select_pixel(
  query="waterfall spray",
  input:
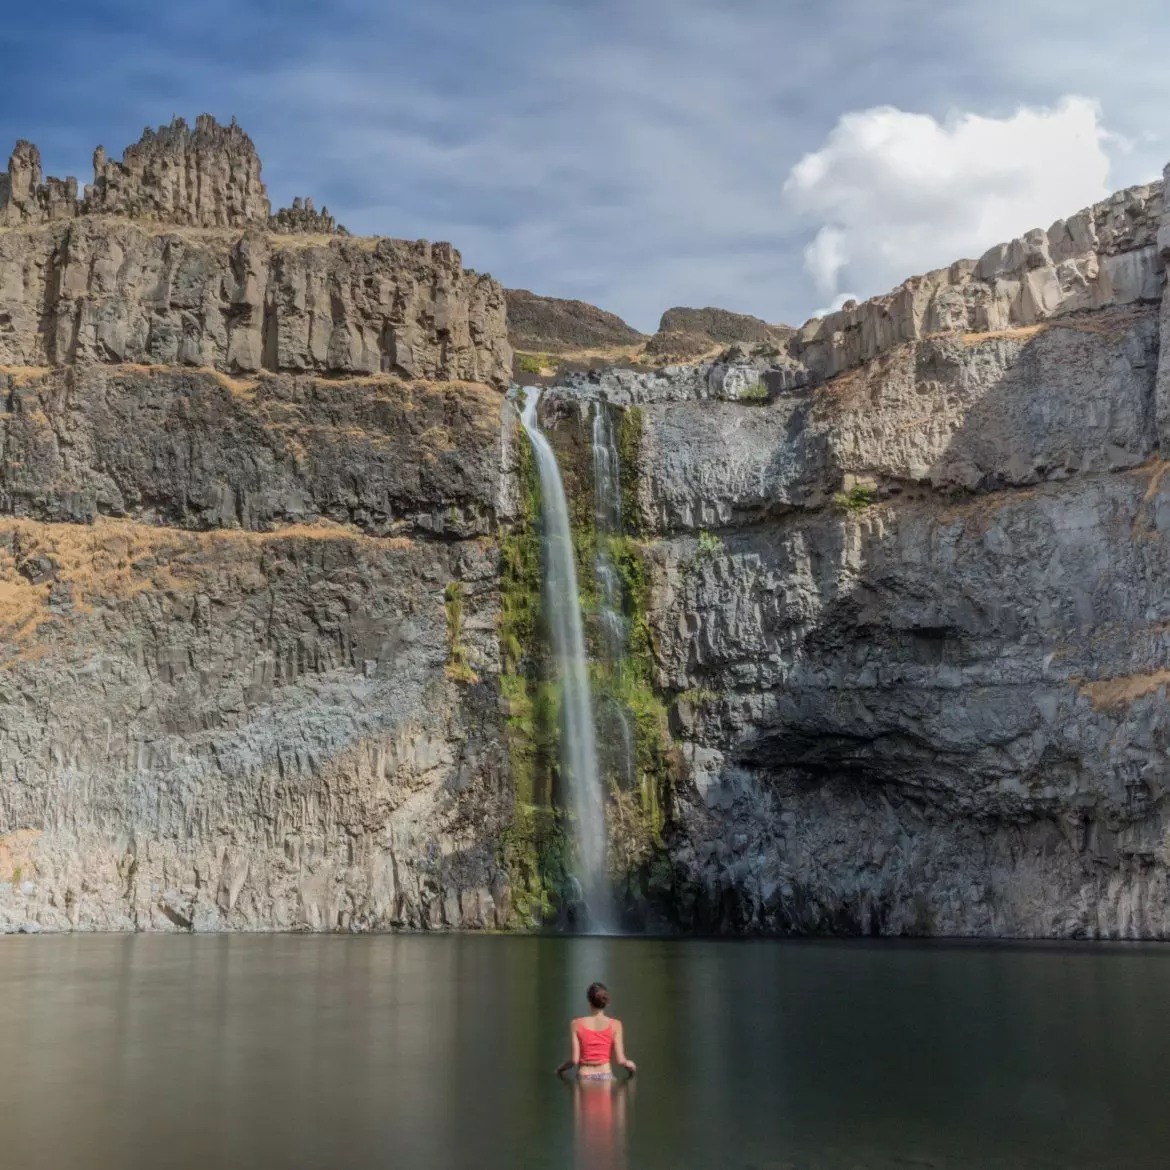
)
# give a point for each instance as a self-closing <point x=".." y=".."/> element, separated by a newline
<point x="566" y="632"/>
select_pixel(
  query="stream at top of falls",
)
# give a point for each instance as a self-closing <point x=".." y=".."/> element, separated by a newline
<point x="433" y="1052"/>
<point x="566" y="632"/>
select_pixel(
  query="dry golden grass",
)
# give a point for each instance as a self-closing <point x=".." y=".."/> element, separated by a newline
<point x="1112" y="324"/>
<point x="23" y="375"/>
<point x="116" y="560"/>
<point x="1155" y="469"/>
<point x="1114" y="692"/>
<point x="400" y="390"/>
<point x="1021" y="333"/>
<point x="216" y="235"/>
<point x="282" y="241"/>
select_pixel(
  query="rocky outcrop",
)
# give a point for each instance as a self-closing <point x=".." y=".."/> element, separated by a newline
<point x="549" y="325"/>
<point x="25" y="197"/>
<point x="1104" y="255"/>
<point x="302" y="218"/>
<point x="206" y="177"/>
<point x="79" y="286"/>
<point x="687" y="334"/>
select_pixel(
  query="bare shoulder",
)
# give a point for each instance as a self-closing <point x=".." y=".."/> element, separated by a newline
<point x="617" y="1024"/>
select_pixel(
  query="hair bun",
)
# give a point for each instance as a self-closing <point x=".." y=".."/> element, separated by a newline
<point x="598" y="995"/>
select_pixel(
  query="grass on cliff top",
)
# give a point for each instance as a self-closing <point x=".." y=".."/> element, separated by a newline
<point x="542" y="365"/>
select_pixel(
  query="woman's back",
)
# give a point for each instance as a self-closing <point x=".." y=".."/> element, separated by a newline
<point x="596" y="1038"/>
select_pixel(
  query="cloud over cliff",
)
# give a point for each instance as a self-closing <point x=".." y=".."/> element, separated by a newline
<point x="896" y="193"/>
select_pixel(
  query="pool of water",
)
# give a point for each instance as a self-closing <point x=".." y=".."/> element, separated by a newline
<point x="437" y="1051"/>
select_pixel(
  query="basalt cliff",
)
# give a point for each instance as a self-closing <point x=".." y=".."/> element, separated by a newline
<point x="891" y="647"/>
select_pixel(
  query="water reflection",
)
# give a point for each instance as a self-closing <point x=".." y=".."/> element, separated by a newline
<point x="314" y="1053"/>
<point x="599" y="1123"/>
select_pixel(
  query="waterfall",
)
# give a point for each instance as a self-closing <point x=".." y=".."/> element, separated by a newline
<point x="607" y="514"/>
<point x="566" y="631"/>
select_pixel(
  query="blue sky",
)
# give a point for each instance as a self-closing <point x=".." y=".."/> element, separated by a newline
<point x="636" y="154"/>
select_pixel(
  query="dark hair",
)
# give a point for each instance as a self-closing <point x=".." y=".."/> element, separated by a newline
<point x="598" y="996"/>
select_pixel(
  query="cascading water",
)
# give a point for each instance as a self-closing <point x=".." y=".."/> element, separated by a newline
<point x="607" y="497"/>
<point x="607" y="511"/>
<point x="566" y="632"/>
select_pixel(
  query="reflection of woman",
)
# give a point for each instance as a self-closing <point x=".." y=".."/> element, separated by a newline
<point x="595" y="1039"/>
<point x="599" y="1122"/>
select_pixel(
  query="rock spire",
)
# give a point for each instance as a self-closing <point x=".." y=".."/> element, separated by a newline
<point x="207" y="176"/>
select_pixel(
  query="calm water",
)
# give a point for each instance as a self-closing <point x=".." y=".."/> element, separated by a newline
<point x="415" y="1052"/>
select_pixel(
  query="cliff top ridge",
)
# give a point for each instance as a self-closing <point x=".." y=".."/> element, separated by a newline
<point x="207" y="176"/>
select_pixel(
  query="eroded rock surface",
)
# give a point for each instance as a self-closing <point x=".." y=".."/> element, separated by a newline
<point x="251" y="473"/>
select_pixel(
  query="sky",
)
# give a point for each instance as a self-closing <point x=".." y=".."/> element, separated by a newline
<point x="766" y="156"/>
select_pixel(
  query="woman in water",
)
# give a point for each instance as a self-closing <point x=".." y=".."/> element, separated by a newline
<point x="595" y="1039"/>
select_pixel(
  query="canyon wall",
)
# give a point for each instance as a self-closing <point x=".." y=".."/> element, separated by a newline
<point x="909" y="603"/>
<point x="250" y="479"/>
<point x="894" y="647"/>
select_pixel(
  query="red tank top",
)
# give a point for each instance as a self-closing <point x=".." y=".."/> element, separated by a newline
<point x="596" y="1045"/>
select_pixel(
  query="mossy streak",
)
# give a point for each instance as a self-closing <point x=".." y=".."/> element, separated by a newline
<point x="458" y="664"/>
<point x="535" y="848"/>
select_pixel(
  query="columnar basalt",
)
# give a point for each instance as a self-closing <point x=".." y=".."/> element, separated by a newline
<point x="1104" y="255"/>
<point x="242" y="469"/>
<point x="206" y="177"/>
<point x="121" y="276"/>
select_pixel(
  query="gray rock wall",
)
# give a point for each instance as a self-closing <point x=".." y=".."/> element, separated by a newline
<point x="225" y="640"/>
<point x="909" y="603"/>
<point x="936" y="704"/>
<point x="96" y="290"/>
<point x="1104" y="255"/>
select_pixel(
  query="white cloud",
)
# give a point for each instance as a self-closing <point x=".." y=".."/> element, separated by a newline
<point x="898" y="193"/>
<point x="838" y="302"/>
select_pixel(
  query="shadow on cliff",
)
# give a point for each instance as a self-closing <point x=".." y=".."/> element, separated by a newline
<point x="909" y="734"/>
